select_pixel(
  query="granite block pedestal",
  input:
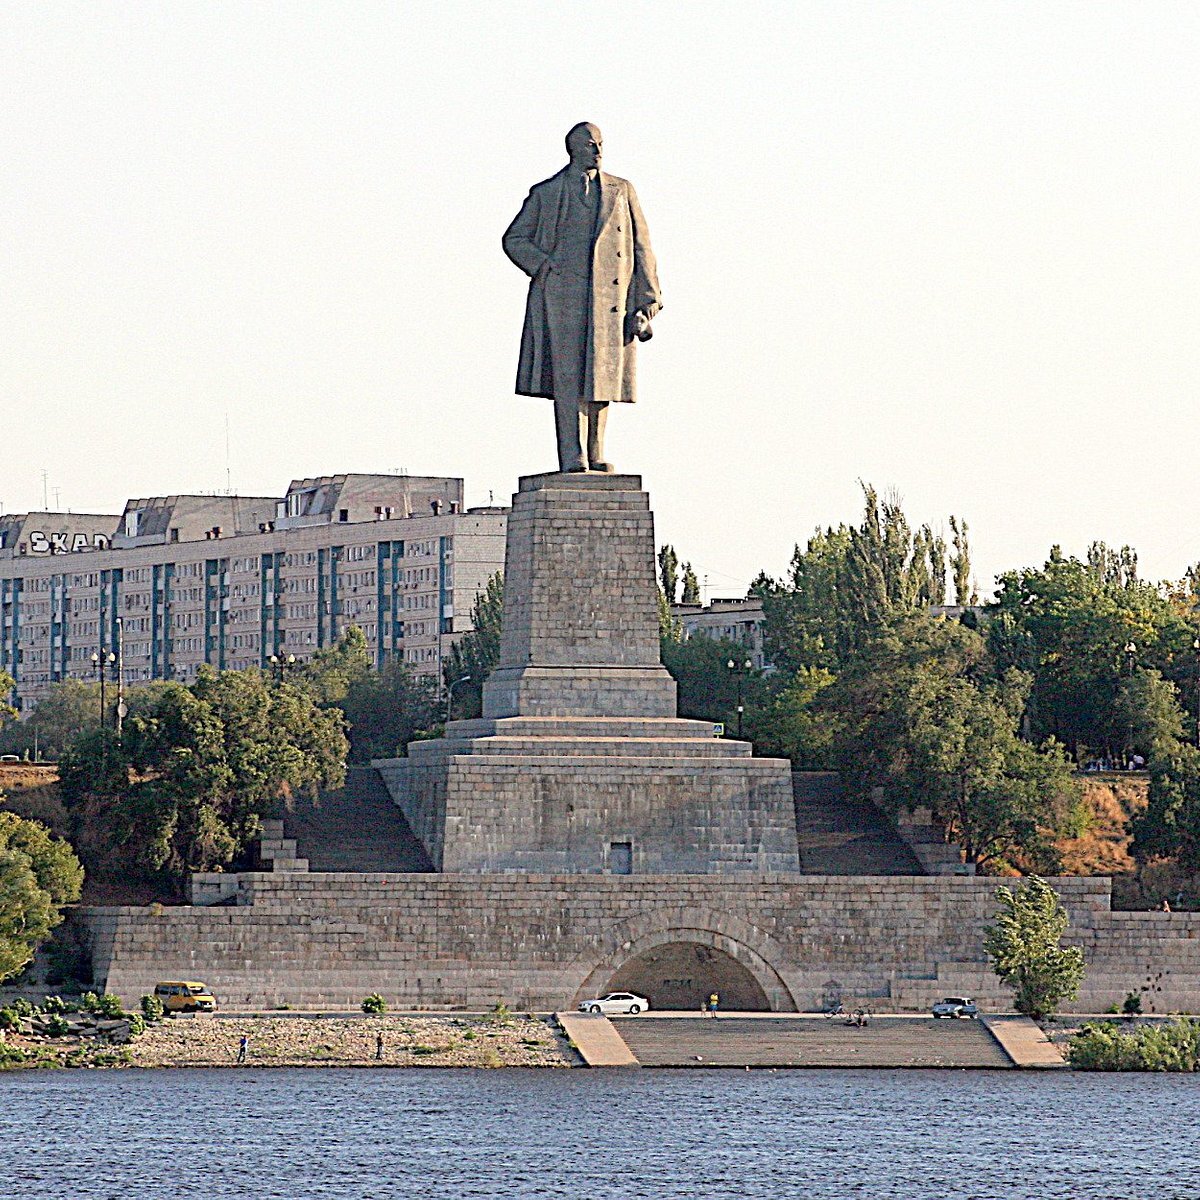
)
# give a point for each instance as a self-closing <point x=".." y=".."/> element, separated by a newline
<point x="579" y="762"/>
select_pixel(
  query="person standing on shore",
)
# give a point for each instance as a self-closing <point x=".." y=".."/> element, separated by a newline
<point x="243" y="1047"/>
<point x="379" y="1047"/>
<point x="713" y="1001"/>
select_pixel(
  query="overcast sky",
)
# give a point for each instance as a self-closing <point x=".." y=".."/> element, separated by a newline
<point x="950" y="249"/>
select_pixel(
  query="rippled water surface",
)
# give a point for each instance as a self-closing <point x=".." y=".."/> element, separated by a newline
<point x="596" y="1135"/>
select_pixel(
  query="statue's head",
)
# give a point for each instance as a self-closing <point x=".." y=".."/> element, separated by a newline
<point x="585" y="145"/>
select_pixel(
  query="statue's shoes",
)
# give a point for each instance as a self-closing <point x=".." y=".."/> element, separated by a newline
<point x="578" y="468"/>
<point x="603" y="468"/>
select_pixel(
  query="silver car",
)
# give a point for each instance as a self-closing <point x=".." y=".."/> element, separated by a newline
<point x="616" y="1002"/>
<point x="956" y="1006"/>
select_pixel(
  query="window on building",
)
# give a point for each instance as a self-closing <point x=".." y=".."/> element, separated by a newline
<point x="620" y="858"/>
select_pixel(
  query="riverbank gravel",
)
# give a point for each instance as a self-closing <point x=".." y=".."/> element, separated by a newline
<point x="352" y="1041"/>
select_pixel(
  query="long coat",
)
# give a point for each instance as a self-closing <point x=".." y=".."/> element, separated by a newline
<point x="624" y="279"/>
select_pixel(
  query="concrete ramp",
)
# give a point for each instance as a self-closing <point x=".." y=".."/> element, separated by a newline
<point x="772" y="1040"/>
<point x="598" y="1043"/>
<point x="1025" y="1043"/>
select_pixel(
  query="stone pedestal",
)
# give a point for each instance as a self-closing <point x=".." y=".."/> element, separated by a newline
<point x="579" y="763"/>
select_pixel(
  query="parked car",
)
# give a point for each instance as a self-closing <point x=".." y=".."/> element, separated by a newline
<point x="185" y="996"/>
<point x="616" y="1002"/>
<point x="956" y="1006"/>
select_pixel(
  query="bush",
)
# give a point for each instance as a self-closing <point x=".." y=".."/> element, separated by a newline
<point x="501" y="1013"/>
<point x="11" y="1055"/>
<point x="89" y="1002"/>
<point x="22" y="1007"/>
<point x="374" y="1004"/>
<point x="152" y="1009"/>
<point x="110" y="1006"/>
<point x="137" y="1024"/>
<point x="1102" y="1047"/>
<point x="57" y="1026"/>
<point x="10" y="1018"/>
<point x="54" y="1005"/>
<point x="1132" y="1005"/>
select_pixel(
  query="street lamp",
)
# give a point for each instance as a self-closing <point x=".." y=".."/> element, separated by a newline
<point x="278" y="664"/>
<point x="739" y="670"/>
<point x="450" y="695"/>
<point x="1196" y="652"/>
<point x="101" y="665"/>
<point x="1130" y="651"/>
<point x="120" y="661"/>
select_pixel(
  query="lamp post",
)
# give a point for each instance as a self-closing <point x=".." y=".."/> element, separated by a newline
<point x="100" y="676"/>
<point x="102" y="664"/>
<point x="278" y="664"/>
<point x="450" y="695"/>
<point x="1196" y="652"/>
<point x="1130" y="651"/>
<point x="739" y="670"/>
<point x="120" y="676"/>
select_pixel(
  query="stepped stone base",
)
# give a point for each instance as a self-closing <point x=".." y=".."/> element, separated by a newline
<point x="579" y="763"/>
<point x="560" y="795"/>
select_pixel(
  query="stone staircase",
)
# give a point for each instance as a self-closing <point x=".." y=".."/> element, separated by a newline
<point x="927" y="840"/>
<point x="355" y="828"/>
<point x="840" y="836"/>
<point x="780" y="1041"/>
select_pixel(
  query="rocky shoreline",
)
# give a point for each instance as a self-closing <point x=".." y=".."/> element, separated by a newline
<point x="408" y="1040"/>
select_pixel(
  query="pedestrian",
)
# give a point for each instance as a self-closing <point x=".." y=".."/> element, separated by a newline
<point x="1166" y="905"/>
<point x="243" y="1047"/>
<point x="713" y="1001"/>
<point x="379" y="1047"/>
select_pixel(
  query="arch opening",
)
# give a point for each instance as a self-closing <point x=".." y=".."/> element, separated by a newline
<point x="683" y="974"/>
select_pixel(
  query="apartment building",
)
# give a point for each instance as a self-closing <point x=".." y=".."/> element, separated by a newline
<point x="174" y="582"/>
<point x="739" y="621"/>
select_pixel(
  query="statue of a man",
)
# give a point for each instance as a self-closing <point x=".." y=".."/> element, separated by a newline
<point x="582" y="239"/>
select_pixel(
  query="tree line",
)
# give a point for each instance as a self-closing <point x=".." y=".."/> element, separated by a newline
<point x="983" y="713"/>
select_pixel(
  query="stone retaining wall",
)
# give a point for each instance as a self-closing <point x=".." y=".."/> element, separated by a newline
<point x="542" y="942"/>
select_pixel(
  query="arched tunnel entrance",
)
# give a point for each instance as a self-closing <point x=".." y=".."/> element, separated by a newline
<point x="682" y="975"/>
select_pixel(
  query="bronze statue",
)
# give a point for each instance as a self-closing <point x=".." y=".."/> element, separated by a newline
<point x="582" y="239"/>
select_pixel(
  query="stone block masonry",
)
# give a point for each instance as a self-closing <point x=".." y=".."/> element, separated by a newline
<point x="579" y="763"/>
<point x="544" y="942"/>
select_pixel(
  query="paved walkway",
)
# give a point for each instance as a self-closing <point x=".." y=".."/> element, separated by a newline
<point x="598" y="1043"/>
<point x="1025" y="1043"/>
<point x="776" y="1040"/>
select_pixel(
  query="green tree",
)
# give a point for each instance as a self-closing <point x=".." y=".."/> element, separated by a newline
<point x="386" y="710"/>
<point x="790" y="722"/>
<point x="1169" y="827"/>
<point x="960" y="563"/>
<point x="1068" y="623"/>
<point x="847" y="584"/>
<point x="477" y="652"/>
<point x="68" y="708"/>
<point x="7" y="684"/>
<point x="668" y="573"/>
<point x="922" y="716"/>
<point x="38" y="875"/>
<point x="691" y="586"/>
<point x="708" y="690"/>
<point x="1025" y="946"/>
<point x="186" y="786"/>
<point x="333" y="670"/>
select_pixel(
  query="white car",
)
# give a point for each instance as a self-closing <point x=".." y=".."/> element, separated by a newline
<point x="956" y="1006"/>
<point x="616" y="1002"/>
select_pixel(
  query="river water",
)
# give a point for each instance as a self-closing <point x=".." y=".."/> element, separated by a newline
<point x="594" y="1135"/>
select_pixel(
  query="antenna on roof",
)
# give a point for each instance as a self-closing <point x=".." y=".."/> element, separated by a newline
<point x="228" y="473"/>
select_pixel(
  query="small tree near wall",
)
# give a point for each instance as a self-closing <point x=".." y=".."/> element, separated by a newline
<point x="1025" y="946"/>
